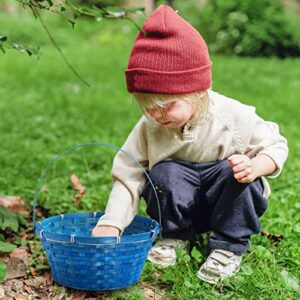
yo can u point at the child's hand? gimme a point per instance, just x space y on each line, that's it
104 230
243 168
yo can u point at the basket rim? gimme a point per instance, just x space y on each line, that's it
41 230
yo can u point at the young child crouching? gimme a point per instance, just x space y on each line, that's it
206 154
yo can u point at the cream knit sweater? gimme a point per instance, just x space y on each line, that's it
229 127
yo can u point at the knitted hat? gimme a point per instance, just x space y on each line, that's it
171 59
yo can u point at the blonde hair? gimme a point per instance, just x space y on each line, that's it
198 99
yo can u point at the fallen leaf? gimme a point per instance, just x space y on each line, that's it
48 277
21 254
151 292
28 289
32 288
27 235
77 186
2 292
33 271
14 203
37 282
20 297
16 264
17 285
78 295
272 236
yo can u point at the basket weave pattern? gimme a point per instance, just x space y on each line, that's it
80 261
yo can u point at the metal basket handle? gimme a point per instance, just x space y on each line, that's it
58 156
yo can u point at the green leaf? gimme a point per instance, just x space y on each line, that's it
136 10
72 23
187 283
18 47
297 228
2 270
116 14
7 247
24 49
196 255
290 280
263 253
3 38
247 270
8 219
1 48
41 267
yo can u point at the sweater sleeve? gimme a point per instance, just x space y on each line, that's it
128 179
265 138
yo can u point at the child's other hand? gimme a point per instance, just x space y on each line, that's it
104 230
242 168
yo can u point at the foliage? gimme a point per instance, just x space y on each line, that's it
96 9
2 270
6 247
66 8
100 3
5 43
8 219
247 27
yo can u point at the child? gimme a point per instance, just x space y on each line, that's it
205 153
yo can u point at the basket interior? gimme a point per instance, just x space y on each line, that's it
82 225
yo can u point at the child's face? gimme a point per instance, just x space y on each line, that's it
174 115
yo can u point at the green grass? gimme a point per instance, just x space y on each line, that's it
44 110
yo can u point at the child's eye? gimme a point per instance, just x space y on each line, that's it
170 105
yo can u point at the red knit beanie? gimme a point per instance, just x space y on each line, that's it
171 59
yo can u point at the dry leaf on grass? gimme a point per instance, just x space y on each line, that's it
150 292
33 271
37 282
78 295
77 186
61 294
16 263
21 254
14 203
48 278
27 235
2 292
276 237
38 287
13 288
21 297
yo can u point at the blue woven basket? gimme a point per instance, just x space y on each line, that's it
80 261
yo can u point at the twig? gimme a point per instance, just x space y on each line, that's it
54 43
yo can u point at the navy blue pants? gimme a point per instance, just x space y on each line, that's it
200 197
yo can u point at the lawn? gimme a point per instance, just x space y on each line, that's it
44 110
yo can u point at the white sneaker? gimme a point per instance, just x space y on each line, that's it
163 252
220 264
